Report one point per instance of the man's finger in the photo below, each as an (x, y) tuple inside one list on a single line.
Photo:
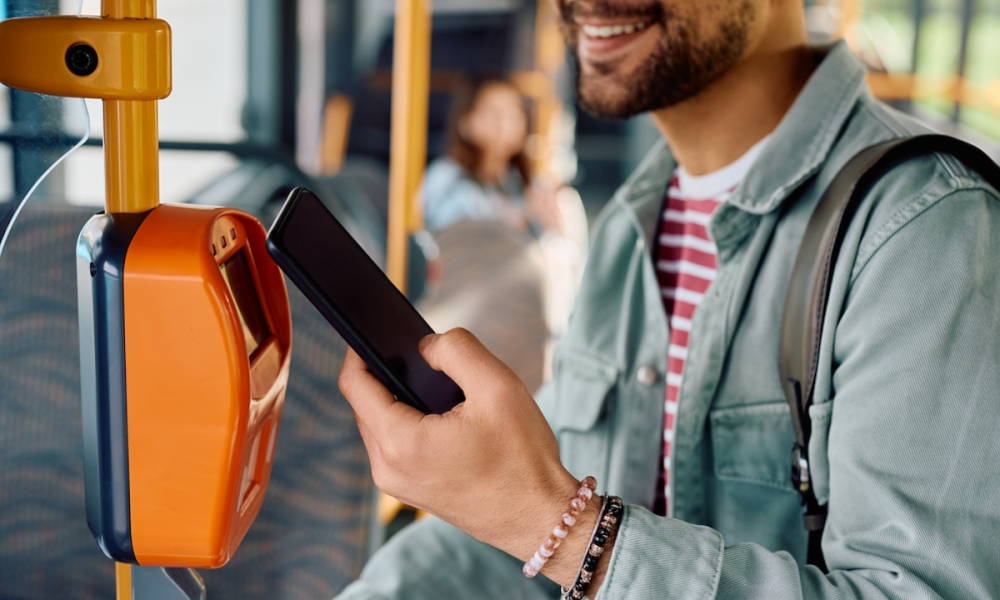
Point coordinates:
[(461, 356), (372, 402)]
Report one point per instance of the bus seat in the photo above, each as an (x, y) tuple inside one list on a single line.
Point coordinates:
[(46, 548), (492, 283), (363, 183), (309, 540), (365, 180)]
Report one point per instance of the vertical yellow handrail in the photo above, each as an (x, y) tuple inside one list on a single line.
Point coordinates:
[(131, 169), (850, 17), (411, 75), (408, 138), (550, 54), (131, 136), (123, 581)]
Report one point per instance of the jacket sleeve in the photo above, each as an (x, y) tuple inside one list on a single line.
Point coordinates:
[(432, 560), (912, 451)]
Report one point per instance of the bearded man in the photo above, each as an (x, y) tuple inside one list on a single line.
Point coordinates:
[(666, 386)]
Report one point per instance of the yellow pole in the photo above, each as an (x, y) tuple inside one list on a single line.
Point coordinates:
[(123, 581), (411, 75), (850, 15), (131, 169), (419, 101), (408, 138), (549, 56), (131, 150)]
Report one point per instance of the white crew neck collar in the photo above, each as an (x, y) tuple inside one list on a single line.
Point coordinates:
[(722, 180)]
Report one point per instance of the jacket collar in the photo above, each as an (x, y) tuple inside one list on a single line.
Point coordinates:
[(643, 191), (797, 149), (803, 139)]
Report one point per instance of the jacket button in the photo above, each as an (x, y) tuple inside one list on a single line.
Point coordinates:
[(647, 376)]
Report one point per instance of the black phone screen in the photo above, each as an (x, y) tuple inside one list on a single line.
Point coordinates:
[(334, 272)]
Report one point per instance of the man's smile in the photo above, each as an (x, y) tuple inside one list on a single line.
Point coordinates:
[(608, 31), (600, 39), (604, 32)]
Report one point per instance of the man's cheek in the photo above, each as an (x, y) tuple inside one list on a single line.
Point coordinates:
[(571, 35)]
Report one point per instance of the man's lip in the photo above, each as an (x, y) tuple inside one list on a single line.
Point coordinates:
[(598, 47), (611, 22)]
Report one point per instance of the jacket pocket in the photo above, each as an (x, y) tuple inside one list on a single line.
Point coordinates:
[(753, 444), (819, 440), (578, 410)]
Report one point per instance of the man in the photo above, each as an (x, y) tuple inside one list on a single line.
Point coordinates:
[(680, 411)]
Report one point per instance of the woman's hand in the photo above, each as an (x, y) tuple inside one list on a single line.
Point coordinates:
[(490, 466)]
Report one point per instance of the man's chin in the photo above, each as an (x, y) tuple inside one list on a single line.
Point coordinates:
[(606, 98)]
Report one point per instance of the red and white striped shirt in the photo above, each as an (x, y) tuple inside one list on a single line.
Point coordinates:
[(685, 266)]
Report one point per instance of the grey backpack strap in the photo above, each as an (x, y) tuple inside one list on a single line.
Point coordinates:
[(808, 290)]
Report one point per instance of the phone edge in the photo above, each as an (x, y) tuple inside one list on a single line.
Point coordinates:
[(343, 327)]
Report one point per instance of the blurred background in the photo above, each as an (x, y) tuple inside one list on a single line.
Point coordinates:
[(297, 76), (935, 58), (273, 94)]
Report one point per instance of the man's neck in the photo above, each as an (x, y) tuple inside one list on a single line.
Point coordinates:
[(740, 108)]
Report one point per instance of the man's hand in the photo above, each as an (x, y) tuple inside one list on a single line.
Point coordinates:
[(490, 466)]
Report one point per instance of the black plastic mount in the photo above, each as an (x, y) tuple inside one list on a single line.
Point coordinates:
[(100, 257)]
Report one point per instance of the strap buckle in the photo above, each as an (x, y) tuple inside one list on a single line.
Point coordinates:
[(800, 471)]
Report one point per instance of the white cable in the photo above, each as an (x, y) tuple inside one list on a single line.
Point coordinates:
[(86, 136)]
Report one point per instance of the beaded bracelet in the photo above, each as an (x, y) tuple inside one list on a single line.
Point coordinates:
[(559, 533), (607, 523)]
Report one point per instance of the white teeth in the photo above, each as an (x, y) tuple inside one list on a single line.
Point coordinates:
[(607, 31)]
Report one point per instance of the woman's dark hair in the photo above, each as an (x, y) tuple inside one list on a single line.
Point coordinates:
[(467, 155)]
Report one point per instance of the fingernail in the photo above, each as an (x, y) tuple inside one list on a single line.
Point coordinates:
[(427, 340)]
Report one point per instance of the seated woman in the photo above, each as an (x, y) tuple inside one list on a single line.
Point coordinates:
[(510, 249), (484, 175)]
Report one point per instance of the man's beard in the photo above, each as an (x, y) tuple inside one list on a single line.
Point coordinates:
[(678, 69)]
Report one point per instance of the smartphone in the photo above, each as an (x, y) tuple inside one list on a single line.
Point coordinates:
[(322, 259)]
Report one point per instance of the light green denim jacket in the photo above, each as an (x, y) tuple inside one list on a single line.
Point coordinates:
[(906, 428)]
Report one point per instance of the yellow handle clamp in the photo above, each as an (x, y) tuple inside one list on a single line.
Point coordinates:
[(87, 57), (122, 58)]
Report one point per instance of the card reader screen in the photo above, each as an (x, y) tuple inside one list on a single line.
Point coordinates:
[(236, 272)]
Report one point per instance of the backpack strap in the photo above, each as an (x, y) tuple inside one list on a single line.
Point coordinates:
[(809, 287)]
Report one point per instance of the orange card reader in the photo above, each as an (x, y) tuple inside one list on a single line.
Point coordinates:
[(185, 338)]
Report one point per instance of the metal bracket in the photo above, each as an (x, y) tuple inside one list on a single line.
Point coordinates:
[(151, 583)]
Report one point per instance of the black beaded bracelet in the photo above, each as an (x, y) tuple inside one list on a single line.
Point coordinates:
[(607, 523)]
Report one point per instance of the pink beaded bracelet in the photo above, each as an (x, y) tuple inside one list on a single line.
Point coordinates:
[(576, 506)]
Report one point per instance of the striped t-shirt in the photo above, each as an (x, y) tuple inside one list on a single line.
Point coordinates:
[(685, 266)]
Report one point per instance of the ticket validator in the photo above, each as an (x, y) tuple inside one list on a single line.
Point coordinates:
[(185, 332), (185, 336)]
